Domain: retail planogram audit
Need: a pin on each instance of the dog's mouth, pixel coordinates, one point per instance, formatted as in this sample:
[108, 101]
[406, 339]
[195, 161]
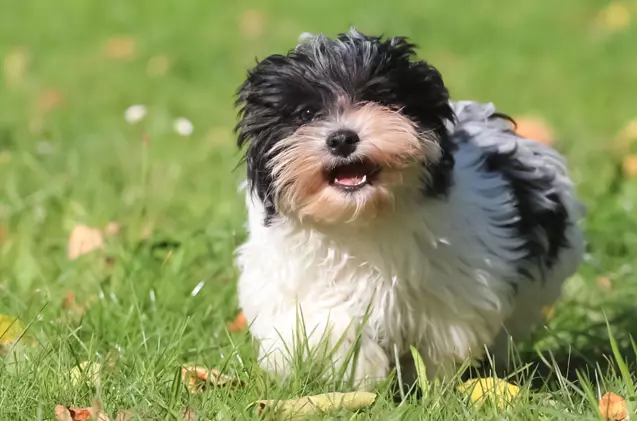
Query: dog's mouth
[352, 176]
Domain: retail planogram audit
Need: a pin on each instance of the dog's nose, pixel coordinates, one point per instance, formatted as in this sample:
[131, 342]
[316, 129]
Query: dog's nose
[342, 142]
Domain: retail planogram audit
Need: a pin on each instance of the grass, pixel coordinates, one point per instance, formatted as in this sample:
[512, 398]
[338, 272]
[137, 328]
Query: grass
[68, 157]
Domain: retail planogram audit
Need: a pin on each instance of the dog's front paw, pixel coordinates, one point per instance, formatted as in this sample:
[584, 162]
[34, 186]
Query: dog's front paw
[365, 366]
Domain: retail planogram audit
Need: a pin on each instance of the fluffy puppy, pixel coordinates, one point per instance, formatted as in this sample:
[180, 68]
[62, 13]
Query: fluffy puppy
[385, 215]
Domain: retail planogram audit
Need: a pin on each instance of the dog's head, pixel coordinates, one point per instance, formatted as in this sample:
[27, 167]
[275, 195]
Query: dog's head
[338, 129]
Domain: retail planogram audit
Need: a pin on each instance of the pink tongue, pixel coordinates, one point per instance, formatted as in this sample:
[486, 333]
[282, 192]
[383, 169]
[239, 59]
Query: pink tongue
[349, 181]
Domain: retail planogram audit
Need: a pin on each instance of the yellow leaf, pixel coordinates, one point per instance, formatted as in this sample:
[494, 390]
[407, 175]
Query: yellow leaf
[629, 166]
[613, 408]
[83, 240]
[548, 312]
[13, 337]
[10, 329]
[500, 391]
[316, 404]
[86, 372]
[616, 16]
[627, 135]
[15, 65]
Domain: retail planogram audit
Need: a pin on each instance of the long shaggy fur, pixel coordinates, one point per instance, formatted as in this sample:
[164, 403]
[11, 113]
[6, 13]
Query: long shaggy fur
[458, 239]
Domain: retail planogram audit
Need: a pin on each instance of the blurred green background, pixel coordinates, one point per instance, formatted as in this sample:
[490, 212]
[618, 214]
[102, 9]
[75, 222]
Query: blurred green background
[71, 68]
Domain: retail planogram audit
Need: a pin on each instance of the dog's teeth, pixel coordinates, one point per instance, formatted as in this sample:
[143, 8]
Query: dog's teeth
[363, 180]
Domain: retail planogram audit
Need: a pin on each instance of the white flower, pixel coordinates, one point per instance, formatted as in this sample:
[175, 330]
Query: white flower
[135, 113]
[183, 126]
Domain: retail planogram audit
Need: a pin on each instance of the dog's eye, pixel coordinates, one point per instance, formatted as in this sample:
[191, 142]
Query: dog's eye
[307, 114]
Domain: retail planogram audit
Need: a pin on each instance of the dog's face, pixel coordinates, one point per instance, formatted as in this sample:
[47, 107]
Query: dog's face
[338, 128]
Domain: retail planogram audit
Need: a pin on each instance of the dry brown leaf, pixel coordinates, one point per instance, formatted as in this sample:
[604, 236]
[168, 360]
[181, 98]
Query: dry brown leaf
[124, 415]
[83, 240]
[112, 229]
[68, 303]
[316, 404]
[157, 66]
[613, 408]
[238, 324]
[50, 99]
[120, 48]
[64, 413]
[534, 128]
[629, 166]
[189, 414]
[15, 65]
[251, 23]
[604, 282]
[197, 378]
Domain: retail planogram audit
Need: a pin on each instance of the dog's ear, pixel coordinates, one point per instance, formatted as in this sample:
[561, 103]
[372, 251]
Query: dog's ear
[242, 96]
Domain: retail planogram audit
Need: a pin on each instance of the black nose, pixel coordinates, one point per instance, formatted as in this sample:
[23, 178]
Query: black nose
[342, 142]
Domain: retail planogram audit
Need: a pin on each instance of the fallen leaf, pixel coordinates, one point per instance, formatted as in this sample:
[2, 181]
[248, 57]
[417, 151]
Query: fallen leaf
[189, 414]
[124, 415]
[613, 408]
[83, 240]
[629, 166]
[64, 413]
[112, 228]
[615, 16]
[87, 373]
[627, 135]
[157, 66]
[534, 128]
[14, 339]
[548, 312]
[604, 282]
[501, 391]
[197, 378]
[50, 99]
[10, 329]
[316, 404]
[68, 302]
[15, 66]
[238, 324]
[251, 23]
[120, 48]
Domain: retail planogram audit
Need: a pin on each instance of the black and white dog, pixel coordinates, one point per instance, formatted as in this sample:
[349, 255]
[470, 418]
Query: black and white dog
[374, 198]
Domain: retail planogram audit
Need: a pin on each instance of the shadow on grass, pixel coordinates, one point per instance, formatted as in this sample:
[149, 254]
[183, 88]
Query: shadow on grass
[572, 356]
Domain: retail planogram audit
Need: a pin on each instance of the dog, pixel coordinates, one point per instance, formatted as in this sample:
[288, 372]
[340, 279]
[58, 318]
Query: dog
[382, 215]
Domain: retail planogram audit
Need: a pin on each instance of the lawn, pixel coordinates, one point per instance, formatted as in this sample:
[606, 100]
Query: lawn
[162, 289]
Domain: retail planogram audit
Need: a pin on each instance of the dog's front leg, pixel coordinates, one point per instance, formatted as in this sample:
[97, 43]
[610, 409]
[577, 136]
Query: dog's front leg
[331, 337]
